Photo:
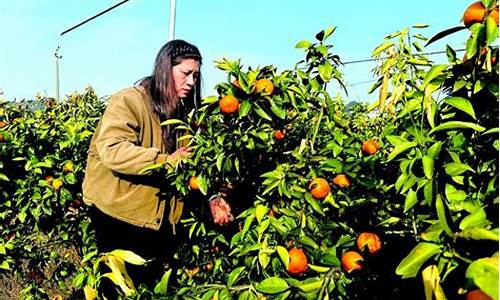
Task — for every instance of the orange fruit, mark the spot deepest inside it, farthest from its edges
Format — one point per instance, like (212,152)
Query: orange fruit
(2,124)
(57,184)
(1,137)
(298,261)
(494,14)
(229,104)
(193,183)
(264,86)
(474,13)
(278,135)
(369,240)
(370,147)
(319,188)
(342,181)
(68,167)
(351,260)
(477,295)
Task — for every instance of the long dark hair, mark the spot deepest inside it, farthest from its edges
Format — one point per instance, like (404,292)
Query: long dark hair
(161,87)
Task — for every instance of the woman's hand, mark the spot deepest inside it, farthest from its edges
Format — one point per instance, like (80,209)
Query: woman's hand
(221,211)
(179,155)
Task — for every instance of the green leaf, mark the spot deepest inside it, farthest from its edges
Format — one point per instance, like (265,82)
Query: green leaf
(396,140)
(283,254)
(428,163)
(381,48)
(484,273)
(453,195)
(441,212)
(261,112)
(303,44)
(315,204)
(172,122)
(128,256)
(456,168)
(244,108)
(272,285)
(462,104)
(319,269)
(260,212)
(434,150)
(475,219)
(162,286)
(400,149)
(234,275)
(311,286)
(410,201)
(491,30)
(410,265)
(325,71)
(457,125)
(434,72)
(329,31)
(476,233)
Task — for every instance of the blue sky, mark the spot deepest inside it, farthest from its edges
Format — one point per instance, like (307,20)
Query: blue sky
(118,48)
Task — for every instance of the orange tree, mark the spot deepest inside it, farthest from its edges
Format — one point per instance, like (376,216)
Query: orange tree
(444,140)
(42,158)
(286,241)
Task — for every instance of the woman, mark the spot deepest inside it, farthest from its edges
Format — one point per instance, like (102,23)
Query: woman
(129,210)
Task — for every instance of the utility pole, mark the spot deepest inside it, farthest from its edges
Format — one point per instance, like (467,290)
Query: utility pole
(57,56)
(171,34)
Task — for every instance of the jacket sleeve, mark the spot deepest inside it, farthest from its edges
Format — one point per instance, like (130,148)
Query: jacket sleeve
(118,140)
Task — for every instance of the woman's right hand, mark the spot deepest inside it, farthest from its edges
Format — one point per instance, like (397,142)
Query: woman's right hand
(179,155)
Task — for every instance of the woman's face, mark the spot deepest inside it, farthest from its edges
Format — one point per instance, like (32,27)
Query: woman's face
(185,75)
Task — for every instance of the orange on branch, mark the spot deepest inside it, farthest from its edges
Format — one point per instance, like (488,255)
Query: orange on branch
(229,104)
(477,295)
(298,261)
(474,13)
(319,188)
(342,181)
(369,240)
(351,260)
(264,86)
(193,183)
(278,135)
(370,147)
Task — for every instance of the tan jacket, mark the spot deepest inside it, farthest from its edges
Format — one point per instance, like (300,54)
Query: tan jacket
(127,139)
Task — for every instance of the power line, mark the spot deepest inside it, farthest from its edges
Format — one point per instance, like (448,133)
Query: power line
(91,18)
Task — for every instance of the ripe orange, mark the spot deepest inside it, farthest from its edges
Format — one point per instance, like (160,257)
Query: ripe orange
(264,86)
(351,260)
(370,147)
(477,295)
(298,261)
(2,124)
(68,167)
(1,137)
(342,181)
(319,188)
(370,240)
(193,183)
(278,135)
(474,13)
(229,104)
(57,184)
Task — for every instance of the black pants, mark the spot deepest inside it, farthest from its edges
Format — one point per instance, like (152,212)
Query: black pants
(150,244)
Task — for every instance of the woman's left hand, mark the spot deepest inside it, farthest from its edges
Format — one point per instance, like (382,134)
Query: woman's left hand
(221,211)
